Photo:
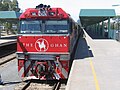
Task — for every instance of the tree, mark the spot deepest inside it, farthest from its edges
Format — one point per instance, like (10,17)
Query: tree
(8,26)
(8,5)
(5,7)
(116,22)
(15,6)
(1,5)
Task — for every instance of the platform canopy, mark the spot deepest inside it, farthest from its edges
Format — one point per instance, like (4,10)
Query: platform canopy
(92,16)
(9,15)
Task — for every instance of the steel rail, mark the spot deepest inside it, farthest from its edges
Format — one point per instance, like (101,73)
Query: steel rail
(26,86)
(57,86)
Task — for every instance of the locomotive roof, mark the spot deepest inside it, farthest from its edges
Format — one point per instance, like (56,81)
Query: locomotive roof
(53,13)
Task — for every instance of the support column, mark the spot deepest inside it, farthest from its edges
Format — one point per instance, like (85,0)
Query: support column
(103,28)
(109,27)
(98,28)
(0,32)
(94,27)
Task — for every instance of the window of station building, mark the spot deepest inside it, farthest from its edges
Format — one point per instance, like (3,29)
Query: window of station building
(56,27)
(30,27)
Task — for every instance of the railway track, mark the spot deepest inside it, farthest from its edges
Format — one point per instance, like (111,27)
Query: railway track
(7,53)
(7,50)
(41,85)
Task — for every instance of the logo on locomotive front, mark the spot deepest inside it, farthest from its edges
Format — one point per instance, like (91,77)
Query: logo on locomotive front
(41,45)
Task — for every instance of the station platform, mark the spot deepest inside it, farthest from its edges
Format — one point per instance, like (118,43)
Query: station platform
(96,65)
(6,40)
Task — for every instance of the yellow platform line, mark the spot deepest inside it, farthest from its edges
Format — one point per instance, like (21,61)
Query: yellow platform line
(94,75)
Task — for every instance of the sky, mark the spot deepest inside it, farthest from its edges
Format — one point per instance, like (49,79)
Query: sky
(72,7)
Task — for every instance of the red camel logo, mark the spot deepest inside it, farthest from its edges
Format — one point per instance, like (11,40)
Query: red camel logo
(41,45)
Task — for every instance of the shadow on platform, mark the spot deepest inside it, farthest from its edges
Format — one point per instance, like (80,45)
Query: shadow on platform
(10,83)
(95,35)
(83,50)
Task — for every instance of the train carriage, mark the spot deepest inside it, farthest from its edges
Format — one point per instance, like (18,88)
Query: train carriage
(45,42)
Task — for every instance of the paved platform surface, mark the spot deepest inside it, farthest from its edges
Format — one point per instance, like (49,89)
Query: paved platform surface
(9,75)
(6,40)
(96,65)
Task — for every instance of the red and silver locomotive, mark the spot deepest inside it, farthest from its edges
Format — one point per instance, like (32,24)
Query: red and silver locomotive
(45,42)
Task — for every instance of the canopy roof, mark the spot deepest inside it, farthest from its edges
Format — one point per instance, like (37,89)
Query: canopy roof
(92,16)
(9,15)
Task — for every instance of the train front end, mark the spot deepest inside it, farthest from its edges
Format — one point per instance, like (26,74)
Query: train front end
(43,45)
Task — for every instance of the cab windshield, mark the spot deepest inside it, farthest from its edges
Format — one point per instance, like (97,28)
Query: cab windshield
(44,27)
(30,27)
(60,27)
